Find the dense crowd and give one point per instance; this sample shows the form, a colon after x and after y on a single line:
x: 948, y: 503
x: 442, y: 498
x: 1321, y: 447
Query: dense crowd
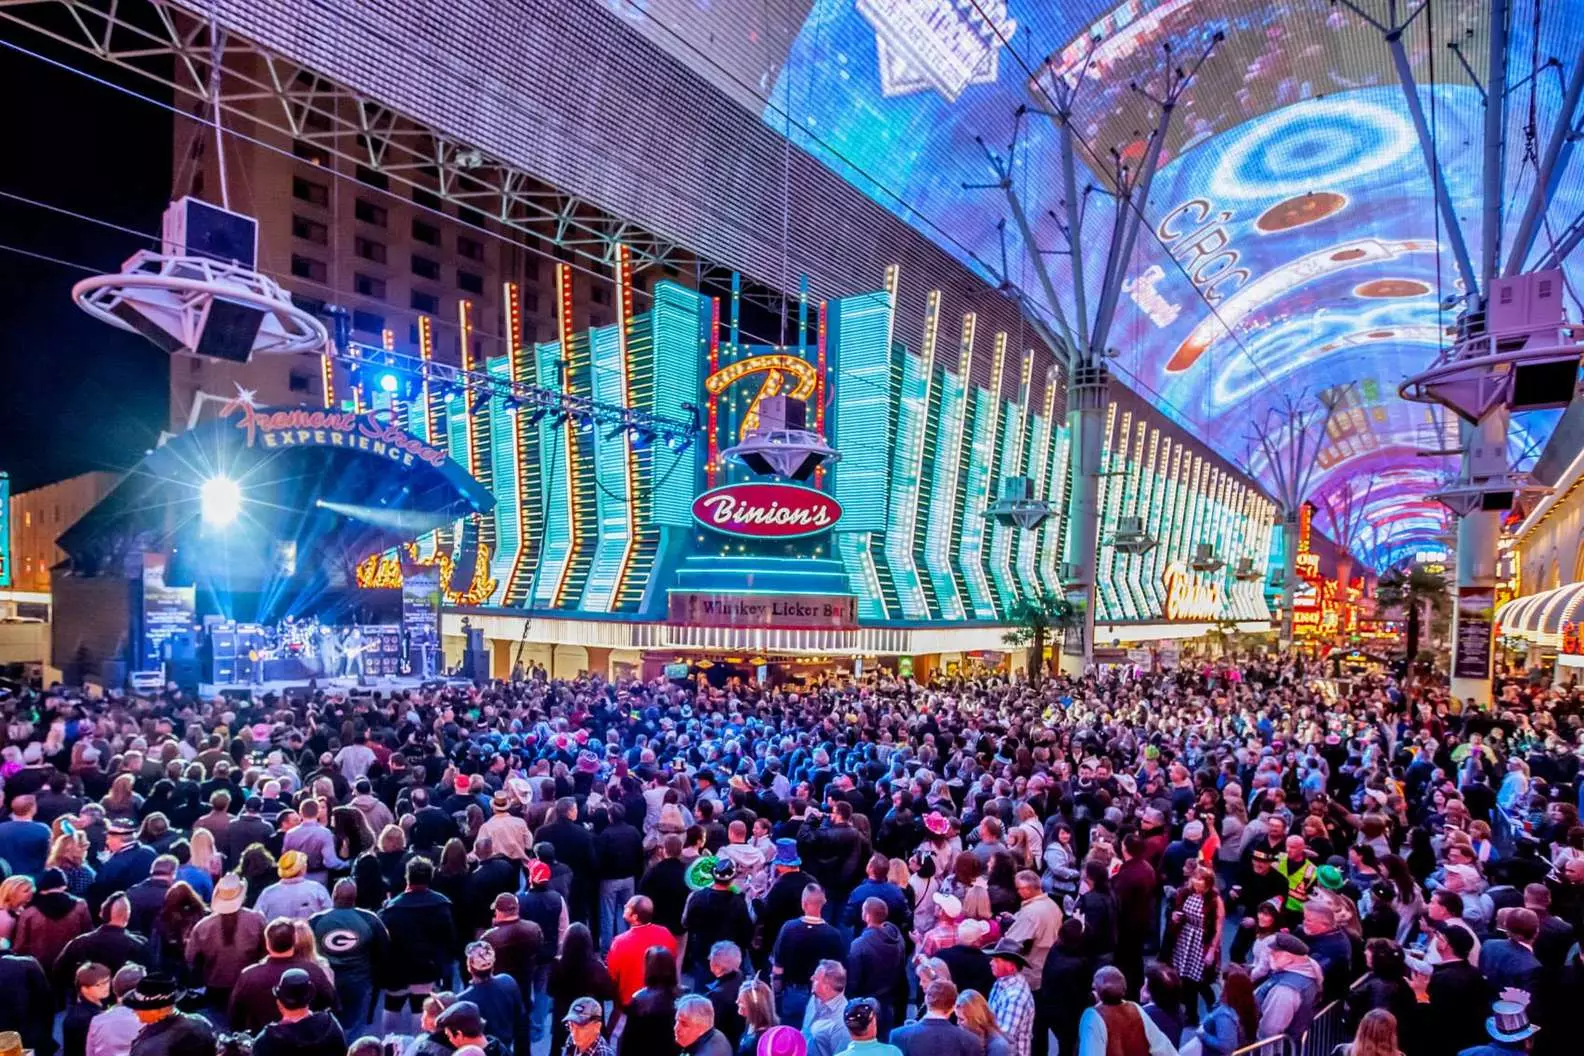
x: 1121, y: 865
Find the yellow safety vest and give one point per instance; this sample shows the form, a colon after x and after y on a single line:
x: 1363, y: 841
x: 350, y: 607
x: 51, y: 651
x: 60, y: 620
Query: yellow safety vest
x: 1299, y: 882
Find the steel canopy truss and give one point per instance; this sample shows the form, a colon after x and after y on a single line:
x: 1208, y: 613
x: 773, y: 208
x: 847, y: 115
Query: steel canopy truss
x: 174, y: 47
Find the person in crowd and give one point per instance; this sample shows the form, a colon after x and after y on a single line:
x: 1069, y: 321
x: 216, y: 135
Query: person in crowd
x: 756, y: 1008
x: 299, y: 1030
x: 618, y: 850
x: 422, y: 942
x: 824, y: 1023
x: 295, y: 895
x: 252, y: 1005
x: 1193, y: 939
x: 1011, y: 999
x: 725, y: 986
x: 585, y: 1026
x: 112, y: 942
x: 463, y: 1028
x: 861, y: 1018
x: 52, y: 919
x: 1457, y: 995
x: 355, y: 944
x: 934, y: 1033
x: 1161, y: 998
x: 1065, y: 989
x: 497, y: 997
x: 547, y: 909
x: 1036, y: 923
x: 1510, y: 962
x: 801, y: 949
x: 718, y: 913
x: 27, y: 1004
x: 1509, y: 1029
x: 1233, y: 1021
x: 111, y: 1032
x: 694, y: 1028
x: 90, y: 997
x: 1376, y: 1036
x: 224, y: 942
x: 517, y: 943
x: 24, y: 840
x: 974, y: 1015
x: 649, y: 1020
x: 430, y: 1040
x: 877, y: 962
x: 578, y: 972
x: 1290, y: 996
x: 163, y: 1029
x: 1115, y: 1026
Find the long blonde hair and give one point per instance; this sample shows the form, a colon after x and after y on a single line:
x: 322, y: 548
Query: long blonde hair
x: 203, y: 850
x: 973, y: 1013
x: 1377, y: 1034
x: 758, y: 1003
x: 68, y: 851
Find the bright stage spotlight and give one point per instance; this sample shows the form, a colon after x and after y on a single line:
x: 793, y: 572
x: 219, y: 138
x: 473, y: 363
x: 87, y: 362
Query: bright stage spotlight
x: 387, y: 381
x: 220, y: 501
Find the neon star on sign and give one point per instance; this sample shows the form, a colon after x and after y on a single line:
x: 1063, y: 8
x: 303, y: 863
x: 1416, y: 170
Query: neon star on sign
x: 939, y: 45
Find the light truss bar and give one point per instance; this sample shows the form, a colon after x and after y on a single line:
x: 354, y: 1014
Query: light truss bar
x: 443, y: 377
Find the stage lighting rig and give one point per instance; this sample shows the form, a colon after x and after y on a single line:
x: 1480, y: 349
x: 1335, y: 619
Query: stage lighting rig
x: 220, y: 501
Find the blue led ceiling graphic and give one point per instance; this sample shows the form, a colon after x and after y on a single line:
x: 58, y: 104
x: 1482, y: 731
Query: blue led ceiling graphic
x: 1291, y: 244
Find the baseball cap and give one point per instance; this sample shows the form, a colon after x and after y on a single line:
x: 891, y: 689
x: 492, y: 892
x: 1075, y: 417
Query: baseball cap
x: 463, y: 1017
x: 295, y: 989
x: 583, y: 1011
x: 538, y: 873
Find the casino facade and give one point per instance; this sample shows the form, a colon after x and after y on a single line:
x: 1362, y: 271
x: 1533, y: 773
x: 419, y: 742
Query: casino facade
x: 873, y: 541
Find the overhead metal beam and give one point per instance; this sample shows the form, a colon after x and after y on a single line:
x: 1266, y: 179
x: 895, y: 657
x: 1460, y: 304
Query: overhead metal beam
x: 1392, y: 31
x: 1494, y: 172
x: 1553, y: 164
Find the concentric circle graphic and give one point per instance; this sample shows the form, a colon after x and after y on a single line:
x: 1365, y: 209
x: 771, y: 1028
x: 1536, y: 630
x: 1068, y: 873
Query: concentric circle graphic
x: 1322, y: 142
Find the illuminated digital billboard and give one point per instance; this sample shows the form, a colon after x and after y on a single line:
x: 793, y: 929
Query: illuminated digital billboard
x: 1291, y: 243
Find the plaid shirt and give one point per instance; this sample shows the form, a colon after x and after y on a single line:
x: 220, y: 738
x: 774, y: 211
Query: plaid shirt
x: 1012, y: 1003
x: 601, y: 1047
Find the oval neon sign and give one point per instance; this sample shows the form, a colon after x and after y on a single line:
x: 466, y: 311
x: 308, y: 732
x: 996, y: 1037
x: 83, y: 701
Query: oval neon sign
x: 767, y: 510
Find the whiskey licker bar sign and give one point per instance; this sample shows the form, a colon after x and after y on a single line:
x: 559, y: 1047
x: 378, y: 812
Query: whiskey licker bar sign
x: 830, y: 612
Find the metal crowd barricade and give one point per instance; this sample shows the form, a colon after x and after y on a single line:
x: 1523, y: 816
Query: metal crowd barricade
x: 1279, y: 1045
x: 1328, y: 1030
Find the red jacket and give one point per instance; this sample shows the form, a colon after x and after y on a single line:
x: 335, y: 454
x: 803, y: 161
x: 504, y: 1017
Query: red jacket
x: 626, y: 957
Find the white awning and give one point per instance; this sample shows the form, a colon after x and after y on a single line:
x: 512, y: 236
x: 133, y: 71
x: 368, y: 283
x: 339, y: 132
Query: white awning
x: 1538, y: 618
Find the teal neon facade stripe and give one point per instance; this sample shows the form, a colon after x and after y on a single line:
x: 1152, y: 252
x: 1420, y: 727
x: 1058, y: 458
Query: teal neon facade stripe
x: 508, y: 504
x: 976, y: 490
x: 557, y: 550
x: 907, y: 463
x: 611, y: 500
x: 942, y: 512
x: 1009, y: 464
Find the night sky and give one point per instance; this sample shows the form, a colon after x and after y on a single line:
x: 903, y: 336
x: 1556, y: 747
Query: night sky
x: 78, y: 395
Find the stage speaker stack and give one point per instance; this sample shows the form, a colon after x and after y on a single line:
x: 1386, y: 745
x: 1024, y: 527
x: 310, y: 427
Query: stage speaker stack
x: 223, y: 656
x: 467, y: 554
x: 476, y: 657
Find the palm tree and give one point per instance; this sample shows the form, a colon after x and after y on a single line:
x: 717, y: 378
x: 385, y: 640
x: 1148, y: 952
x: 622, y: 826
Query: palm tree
x: 1036, y: 618
x: 1409, y: 590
